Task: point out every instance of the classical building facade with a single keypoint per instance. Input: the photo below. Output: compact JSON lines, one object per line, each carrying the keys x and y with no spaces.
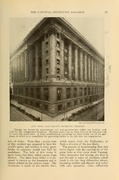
{"x":55,"y":69}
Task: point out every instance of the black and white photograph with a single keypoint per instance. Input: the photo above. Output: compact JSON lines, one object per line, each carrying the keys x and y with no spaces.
{"x":56,"y":70}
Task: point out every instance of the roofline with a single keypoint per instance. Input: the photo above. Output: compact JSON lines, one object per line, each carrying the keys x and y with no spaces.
{"x":69,"y":25}
{"x":82,"y":37}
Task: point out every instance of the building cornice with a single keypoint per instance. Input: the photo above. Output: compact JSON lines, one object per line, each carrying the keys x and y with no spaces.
{"x":66,"y":24}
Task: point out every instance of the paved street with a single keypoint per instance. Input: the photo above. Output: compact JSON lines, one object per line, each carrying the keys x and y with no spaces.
{"x":16,"y":115}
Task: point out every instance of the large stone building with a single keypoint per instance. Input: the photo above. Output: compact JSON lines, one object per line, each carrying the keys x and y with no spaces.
{"x":55,"y":69}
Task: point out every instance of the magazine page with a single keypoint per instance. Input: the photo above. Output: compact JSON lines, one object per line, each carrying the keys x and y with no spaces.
{"x":59,"y":93}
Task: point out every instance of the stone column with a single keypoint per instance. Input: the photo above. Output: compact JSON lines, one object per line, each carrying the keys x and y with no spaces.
{"x":52,"y":94}
{"x":103,"y":74}
{"x":16,"y":69}
{"x":62,"y":57}
{"x":52,"y":99}
{"x":92,"y":69}
{"x":85,"y":66}
{"x":88,"y":66}
{"x":99,"y":71}
{"x":20,"y":68}
{"x":43,"y":60}
{"x":94,"y":72}
{"x":81,"y":64}
{"x":64,"y":97}
{"x":26,"y":65}
{"x":31,"y":64}
{"x":76,"y":63}
{"x":52,"y":54}
{"x":13,"y":71}
{"x":69,"y":60}
{"x":36,"y":61}
{"x":23,"y":66}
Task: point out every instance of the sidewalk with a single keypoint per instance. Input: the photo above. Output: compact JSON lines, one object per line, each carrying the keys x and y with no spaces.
{"x":44,"y":117}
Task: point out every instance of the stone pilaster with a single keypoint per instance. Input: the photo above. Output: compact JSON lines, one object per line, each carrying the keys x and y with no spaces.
{"x":13,"y":71}
{"x":23,"y":66}
{"x":81,"y":64}
{"x":85,"y":66}
{"x":52,"y":94}
{"x":62,"y":57}
{"x":20,"y":68}
{"x":52,"y":54}
{"x":76,"y":63}
{"x":31,"y":63}
{"x":21,"y":72}
{"x":16,"y":69}
{"x":26,"y":65}
{"x":92,"y":69}
{"x":36,"y":61}
{"x":43,"y":60}
{"x":88,"y":66}
{"x":69,"y":60}
{"x":94,"y":72}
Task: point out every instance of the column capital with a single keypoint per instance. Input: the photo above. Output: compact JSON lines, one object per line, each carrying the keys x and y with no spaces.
{"x":81,"y":50}
{"x":62,"y":36}
{"x":52,"y":30}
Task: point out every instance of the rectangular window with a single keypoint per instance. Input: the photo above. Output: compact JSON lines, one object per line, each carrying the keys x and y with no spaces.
{"x":58,"y":36}
{"x":31,"y":92}
{"x":26,"y":101}
{"x":65,"y":58}
{"x":26,"y":92}
{"x":58,"y":44}
{"x":31,"y":103}
{"x":75,"y":103}
{"x":47,"y":44}
{"x":68,"y":93}
{"x":58,"y":53}
{"x":88,"y":90}
{"x":58,"y":70}
{"x":46,"y":94}
{"x":59,"y":107}
{"x":46,"y":53}
{"x":69,"y":105}
{"x":66,"y":50}
{"x":38,"y":93}
{"x":58,"y":77}
{"x":80,"y":91}
{"x":75,"y":92}
{"x":85,"y":91}
{"x":46,"y":35}
{"x":59,"y":94}
{"x":45,"y":107}
{"x":47,"y":61}
{"x":37,"y":104}
{"x":46,"y":78}
{"x":47,"y":70}
{"x":81,"y":101}
{"x":73,"y":75}
{"x":58,"y":61}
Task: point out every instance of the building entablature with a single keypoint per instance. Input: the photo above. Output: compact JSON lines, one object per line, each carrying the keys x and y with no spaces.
{"x":64,"y":31}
